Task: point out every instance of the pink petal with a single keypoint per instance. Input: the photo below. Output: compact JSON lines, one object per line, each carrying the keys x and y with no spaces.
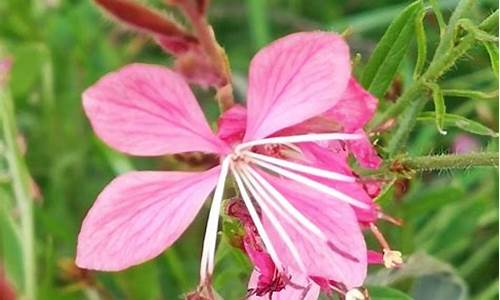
{"x":343,"y":258}
{"x":232,"y":124}
{"x":354,"y":109}
{"x":364,"y":152}
{"x":288,"y":293}
{"x":140,"y":214}
{"x":327,"y":159}
{"x":465,"y":143}
{"x":148,"y":110}
{"x":293,"y":79}
{"x":375,"y":258}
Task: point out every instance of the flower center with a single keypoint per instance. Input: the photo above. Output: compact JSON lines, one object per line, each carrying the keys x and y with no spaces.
{"x":248,"y":168}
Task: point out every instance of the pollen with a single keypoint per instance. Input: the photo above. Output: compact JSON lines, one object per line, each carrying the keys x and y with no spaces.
{"x":354,"y":294}
{"x":392,"y":259}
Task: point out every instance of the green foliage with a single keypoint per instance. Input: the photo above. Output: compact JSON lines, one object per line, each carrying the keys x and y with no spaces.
{"x":389,"y":53}
{"x":459,"y":122}
{"x":384,"y":293}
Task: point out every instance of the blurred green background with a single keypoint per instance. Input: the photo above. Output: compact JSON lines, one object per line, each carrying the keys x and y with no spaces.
{"x":60,"y":47}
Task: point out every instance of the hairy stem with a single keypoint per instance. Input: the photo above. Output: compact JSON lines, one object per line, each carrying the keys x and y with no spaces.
{"x":451,"y":161}
{"x":445,"y":57}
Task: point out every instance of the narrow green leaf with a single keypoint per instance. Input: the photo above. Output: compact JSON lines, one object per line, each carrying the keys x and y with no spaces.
{"x":492,"y":49}
{"x":386,"y":194}
{"x":385,"y":293}
{"x":421,"y":44}
{"x":387,"y":56}
{"x":439,"y":107}
{"x":490,"y":23}
{"x":439,"y":15}
{"x":480,"y":257}
{"x":479,"y":34}
{"x":463,"y":123}
{"x":439,"y":286}
{"x":469,"y":94}
{"x":10,"y":243}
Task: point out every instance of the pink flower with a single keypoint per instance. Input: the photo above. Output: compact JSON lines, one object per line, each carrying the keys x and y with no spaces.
{"x":305,"y":210}
{"x":465,"y":143}
{"x":5,"y":68}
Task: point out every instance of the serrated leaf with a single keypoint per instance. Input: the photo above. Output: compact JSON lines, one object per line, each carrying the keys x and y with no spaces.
{"x":492,"y":49}
{"x":451,"y":120}
{"x":385,"y":293}
{"x":387,"y":56}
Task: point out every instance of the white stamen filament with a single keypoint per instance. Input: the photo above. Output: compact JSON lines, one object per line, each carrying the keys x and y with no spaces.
{"x":256,"y":220}
{"x":266,"y":195}
{"x":313,"y":137}
{"x":298,"y":222}
{"x":311,"y":183}
{"x":301,"y":168}
{"x":259,"y":181}
{"x":257,"y":194}
{"x":210,"y":240}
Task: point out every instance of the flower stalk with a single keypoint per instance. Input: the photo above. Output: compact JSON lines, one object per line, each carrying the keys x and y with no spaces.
{"x":195,"y":12}
{"x":403,"y":166}
{"x":451,"y":161}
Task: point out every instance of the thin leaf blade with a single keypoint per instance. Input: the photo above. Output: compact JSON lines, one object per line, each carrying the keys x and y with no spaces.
{"x":387,"y":56}
{"x":457,"y":121}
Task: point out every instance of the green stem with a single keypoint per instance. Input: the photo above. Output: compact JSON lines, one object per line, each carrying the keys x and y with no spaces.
{"x":445,"y":57}
{"x":21,"y":183}
{"x":406,"y":123}
{"x":449,"y":161}
{"x":258,"y":22}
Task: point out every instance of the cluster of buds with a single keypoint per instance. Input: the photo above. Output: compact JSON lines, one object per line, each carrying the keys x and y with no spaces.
{"x":198,"y":56}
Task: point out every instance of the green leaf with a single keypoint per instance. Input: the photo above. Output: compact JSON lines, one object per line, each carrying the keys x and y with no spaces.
{"x":10,"y":243}
{"x":492,"y":49}
{"x":387,"y":56}
{"x":386,"y":194}
{"x":385,"y":293}
{"x":439,"y":16}
{"x":470,"y":94}
{"x":439,"y":107}
{"x":28,"y":60}
{"x":438,"y":286}
{"x":451,"y":120}
{"x":419,"y":265}
{"x":421,"y":44}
